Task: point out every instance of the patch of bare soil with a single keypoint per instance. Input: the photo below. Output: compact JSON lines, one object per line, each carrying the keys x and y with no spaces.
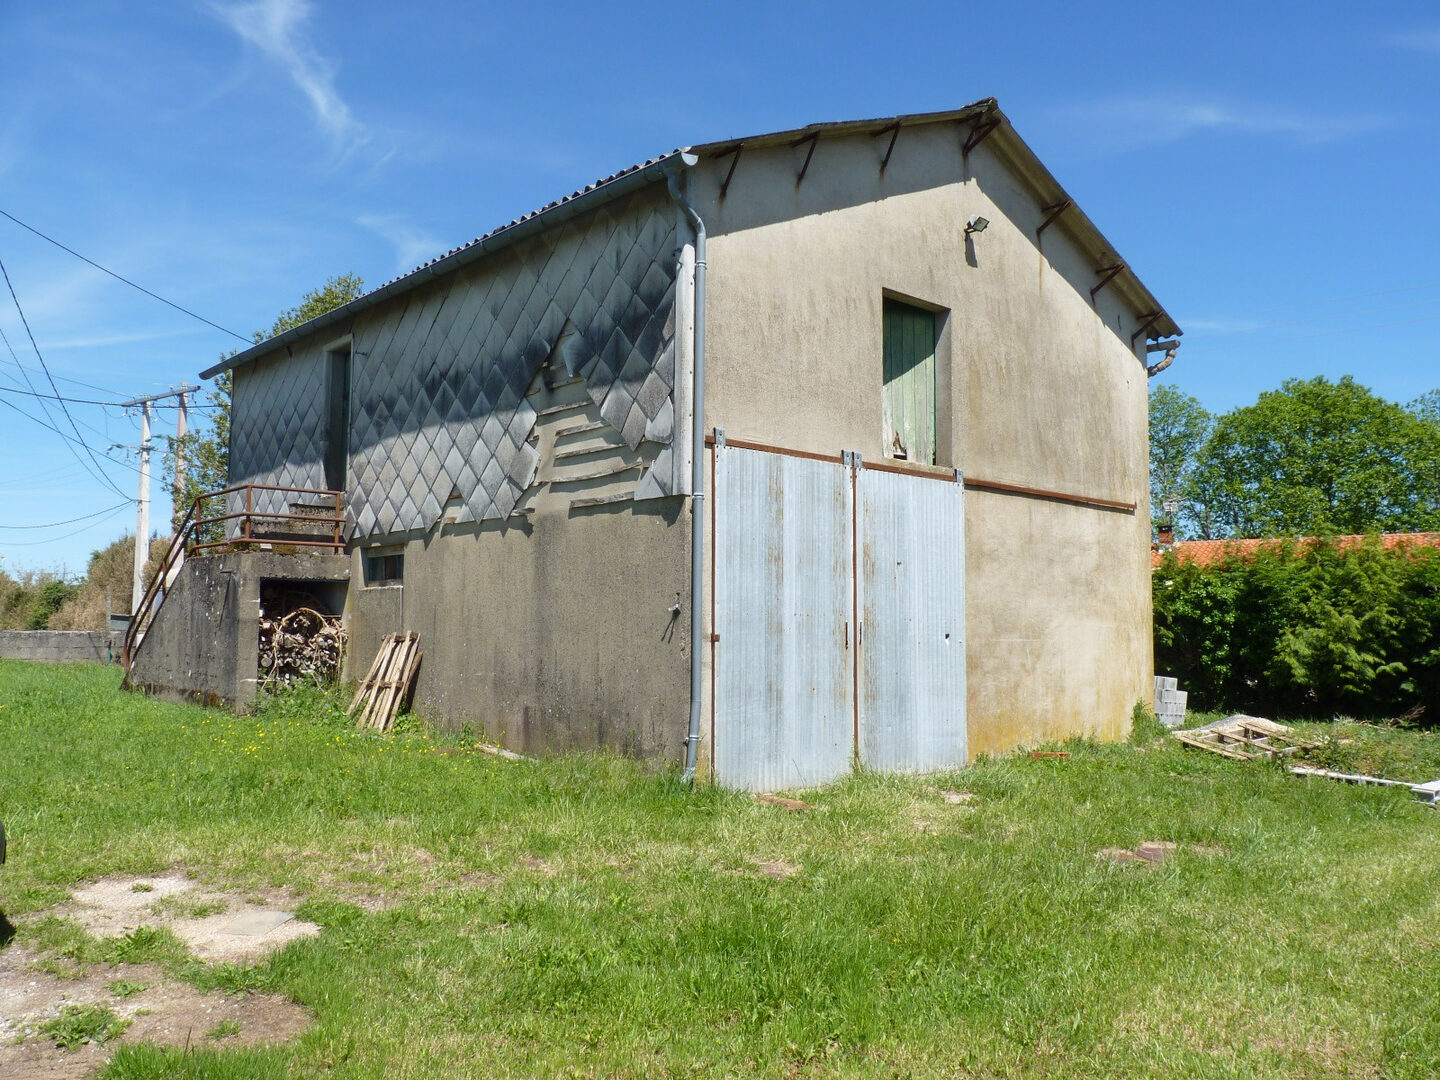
{"x":781,"y":801}
{"x":480,"y":880}
{"x":213,"y":925}
{"x":1153,"y":852}
{"x":163,"y":1012}
{"x":777,"y":869}
{"x":538,"y":865}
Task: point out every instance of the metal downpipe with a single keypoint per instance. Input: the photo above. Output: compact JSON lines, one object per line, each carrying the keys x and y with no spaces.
{"x":697,"y":483}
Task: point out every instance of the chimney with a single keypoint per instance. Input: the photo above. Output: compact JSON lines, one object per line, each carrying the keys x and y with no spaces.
{"x":1167,"y":535}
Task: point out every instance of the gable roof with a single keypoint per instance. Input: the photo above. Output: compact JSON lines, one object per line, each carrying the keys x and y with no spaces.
{"x":989,"y":124}
{"x":1210,"y":552}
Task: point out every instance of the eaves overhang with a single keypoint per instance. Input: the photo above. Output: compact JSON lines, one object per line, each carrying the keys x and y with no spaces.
{"x":988,"y":121}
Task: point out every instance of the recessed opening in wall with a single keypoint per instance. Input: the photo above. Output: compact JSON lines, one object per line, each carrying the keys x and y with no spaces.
{"x":280,"y":596}
{"x":301,"y":636}
{"x":908,"y":400}
{"x":384,"y":566}
{"x":337,"y":421}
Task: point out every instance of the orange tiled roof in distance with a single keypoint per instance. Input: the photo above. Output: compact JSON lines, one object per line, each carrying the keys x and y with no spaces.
{"x":1209,"y":552}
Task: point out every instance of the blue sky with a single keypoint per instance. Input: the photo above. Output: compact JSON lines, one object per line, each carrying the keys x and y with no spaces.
{"x":1268,"y":169}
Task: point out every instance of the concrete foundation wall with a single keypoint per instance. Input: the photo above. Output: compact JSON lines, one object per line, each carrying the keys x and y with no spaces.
{"x":60,"y":646}
{"x":1037,"y":385}
{"x":203,"y":644}
{"x":550,"y":633}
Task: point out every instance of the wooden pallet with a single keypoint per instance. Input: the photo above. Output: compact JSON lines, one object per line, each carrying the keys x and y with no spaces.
{"x":388,"y":682}
{"x":1244,"y":738}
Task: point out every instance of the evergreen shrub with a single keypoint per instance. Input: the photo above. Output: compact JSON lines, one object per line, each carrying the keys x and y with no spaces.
{"x":1305,"y":628}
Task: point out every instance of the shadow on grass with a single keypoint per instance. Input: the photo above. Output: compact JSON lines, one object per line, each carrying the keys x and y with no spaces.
{"x":7,"y":930}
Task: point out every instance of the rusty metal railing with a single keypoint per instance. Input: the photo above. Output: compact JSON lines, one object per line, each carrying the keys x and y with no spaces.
{"x":236,"y":530}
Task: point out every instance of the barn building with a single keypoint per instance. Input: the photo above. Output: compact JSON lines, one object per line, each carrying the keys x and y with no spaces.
{"x":775,"y":456}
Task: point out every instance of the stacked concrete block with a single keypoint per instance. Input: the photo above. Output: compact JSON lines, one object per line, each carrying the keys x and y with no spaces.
{"x":1169,"y":701}
{"x":60,"y":646}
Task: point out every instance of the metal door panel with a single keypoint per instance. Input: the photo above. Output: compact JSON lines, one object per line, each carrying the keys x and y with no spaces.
{"x":912,"y":603}
{"x":784,"y":662}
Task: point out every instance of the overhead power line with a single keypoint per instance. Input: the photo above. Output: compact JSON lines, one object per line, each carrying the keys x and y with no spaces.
{"x":65,"y":536}
{"x":99,"y":472}
{"x":53,"y":397}
{"x":94,"y":401}
{"x":63,"y":378}
{"x":72,"y":521}
{"x":71,"y":439}
{"x":127,"y":281}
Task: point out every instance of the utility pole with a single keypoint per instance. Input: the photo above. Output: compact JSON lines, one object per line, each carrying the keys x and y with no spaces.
{"x":177,"y":513}
{"x":142,"y":514}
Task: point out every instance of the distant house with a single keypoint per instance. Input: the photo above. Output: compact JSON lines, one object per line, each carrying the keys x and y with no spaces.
{"x":1210,"y":552}
{"x":674,"y":465}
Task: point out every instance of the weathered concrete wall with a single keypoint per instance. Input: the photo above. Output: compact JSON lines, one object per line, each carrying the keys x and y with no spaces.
{"x":204,"y":642}
{"x":60,"y":646}
{"x":548,"y":634}
{"x":1037,"y":386}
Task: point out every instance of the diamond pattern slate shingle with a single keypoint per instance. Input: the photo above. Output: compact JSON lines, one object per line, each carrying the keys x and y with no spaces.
{"x":439,"y":377}
{"x":277,"y":430}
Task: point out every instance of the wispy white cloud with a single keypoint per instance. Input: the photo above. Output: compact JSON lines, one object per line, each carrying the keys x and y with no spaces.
{"x":1424,"y":39}
{"x":103,"y":341}
{"x":1223,"y":325}
{"x":276,"y":28}
{"x":413,"y":245}
{"x":1154,"y":119}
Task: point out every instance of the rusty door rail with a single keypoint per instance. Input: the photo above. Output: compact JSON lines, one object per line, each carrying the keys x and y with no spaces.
{"x":940,"y":473}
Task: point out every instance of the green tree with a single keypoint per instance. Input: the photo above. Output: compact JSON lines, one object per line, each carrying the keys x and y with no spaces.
{"x":338,"y":290}
{"x":1427,"y":407}
{"x":1318,"y":457}
{"x":207,"y":449}
{"x":1179,"y":427}
{"x":27,"y":603}
{"x":107,"y":584}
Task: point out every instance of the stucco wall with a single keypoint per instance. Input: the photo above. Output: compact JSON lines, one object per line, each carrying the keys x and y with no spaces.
{"x":1037,"y":386}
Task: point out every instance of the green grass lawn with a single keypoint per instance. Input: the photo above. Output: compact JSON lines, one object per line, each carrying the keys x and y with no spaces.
{"x":584,"y":916}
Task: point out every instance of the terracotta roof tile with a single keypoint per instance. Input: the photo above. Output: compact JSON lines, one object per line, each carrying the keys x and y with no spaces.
{"x":1209,"y":552}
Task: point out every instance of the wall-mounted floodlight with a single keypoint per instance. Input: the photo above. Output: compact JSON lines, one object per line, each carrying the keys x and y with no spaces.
{"x":976,"y":224}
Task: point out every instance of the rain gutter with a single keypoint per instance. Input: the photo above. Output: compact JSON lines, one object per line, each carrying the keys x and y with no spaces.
{"x":697,"y":466}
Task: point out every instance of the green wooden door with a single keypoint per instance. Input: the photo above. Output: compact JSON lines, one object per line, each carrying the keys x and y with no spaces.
{"x":909,"y":394}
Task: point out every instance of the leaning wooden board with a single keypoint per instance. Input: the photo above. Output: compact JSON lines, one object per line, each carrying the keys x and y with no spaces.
{"x":388,"y":682}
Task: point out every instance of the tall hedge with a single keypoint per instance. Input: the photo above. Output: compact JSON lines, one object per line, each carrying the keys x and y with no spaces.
{"x":1305,"y":629}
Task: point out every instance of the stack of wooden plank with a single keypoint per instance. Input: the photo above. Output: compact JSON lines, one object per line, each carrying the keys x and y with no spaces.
{"x":1244,"y":738}
{"x":387,"y":686}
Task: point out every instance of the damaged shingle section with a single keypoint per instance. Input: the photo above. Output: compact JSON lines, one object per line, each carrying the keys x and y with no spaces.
{"x":438,"y":399}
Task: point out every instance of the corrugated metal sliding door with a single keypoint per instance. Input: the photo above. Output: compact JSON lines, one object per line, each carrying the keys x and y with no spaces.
{"x":912,"y":598}
{"x":784,"y":664}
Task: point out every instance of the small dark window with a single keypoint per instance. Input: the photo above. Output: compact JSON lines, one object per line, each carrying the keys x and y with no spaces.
{"x":384,"y":568}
